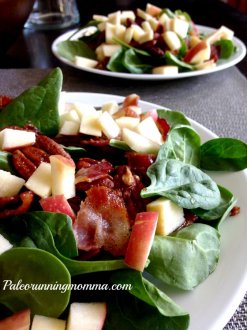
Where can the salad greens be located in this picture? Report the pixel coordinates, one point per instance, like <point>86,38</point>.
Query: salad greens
<point>183,259</point>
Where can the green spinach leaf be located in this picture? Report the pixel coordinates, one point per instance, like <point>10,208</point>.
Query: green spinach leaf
<point>38,105</point>
<point>115,63</point>
<point>5,163</point>
<point>184,184</point>
<point>224,154</point>
<point>174,60</point>
<point>173,118</point>
<point>33,268</point>
<point>71,48</point>
<point>227,48</point>
<point>134,63</point>
<point>186,258</point>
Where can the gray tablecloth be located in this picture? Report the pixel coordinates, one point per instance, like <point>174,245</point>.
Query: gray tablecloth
<point>217,101</point>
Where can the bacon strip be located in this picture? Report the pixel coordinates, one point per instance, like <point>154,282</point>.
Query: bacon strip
<point>102,222</point>
<point>26,201</point>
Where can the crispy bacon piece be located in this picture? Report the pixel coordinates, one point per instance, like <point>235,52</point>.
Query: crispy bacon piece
<point>26,199</point>
<point>94,171</point>
<point>102,222</point>
<point>139,163</point>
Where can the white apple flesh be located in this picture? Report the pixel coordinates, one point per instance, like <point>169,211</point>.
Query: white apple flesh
<point>10,184</point>
<point>41,322</point>
<point>40,181</point>
<point>139,143</point>
<point>4,244</point>
<point>13,138</point>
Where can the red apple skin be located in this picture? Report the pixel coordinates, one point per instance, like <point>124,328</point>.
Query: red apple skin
<point>193,51</point>
<point>153,10</point>
<point>153,113</point>
<point>66,161</point>
<point>58,204</point>
<point>141,240</point>
<point>17,321</point>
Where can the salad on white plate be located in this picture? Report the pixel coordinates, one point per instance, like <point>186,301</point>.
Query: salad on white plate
<point>115,196</point>
<point>144,42</point>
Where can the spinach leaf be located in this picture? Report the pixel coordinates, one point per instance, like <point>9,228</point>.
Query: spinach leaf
<point>186,258</point>
<point>173,118</point>
<point>75,152</point>
<point>227,202</point>
<point>184,184</point>
<point>38,105</point>
<point>144,306</point>
<point>71,48</point>
<point>134,63</point>
<point>119,144</point>
<point>182,143</point>
<point>227,48</point>
<point>224,154</point>
<point>33,267</point>
<point>115,63</point>
<point>5,163</point>
<point>174,60</point>
<point>35,232</point>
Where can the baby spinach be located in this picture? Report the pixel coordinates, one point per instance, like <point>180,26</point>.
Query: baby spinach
<point>38,105</point>
<point>115,63</point>
<point>173,118</point>
<point>227,48</point>
<point>224,154</point>
<point>134,63</point>
<point>33,267</point>
<point>182,143</point>
<point>184,184</point>
<point>5,163</point>
<point>71,48</point>
<point>174,60</point>
<point>186,258</point>
<point>143,307</point>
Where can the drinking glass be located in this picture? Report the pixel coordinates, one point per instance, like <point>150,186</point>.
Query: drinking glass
<point>53,14</point>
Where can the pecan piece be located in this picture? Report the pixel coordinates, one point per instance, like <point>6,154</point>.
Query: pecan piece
<point>36,155</point>
<point>50,146</point>
<point>22,164</point>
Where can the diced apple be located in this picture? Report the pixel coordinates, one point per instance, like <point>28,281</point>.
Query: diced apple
<point>100,18</point>
<point>83,109</point>
<point>172,40</point>
<point>206,65</point>
<point>193,41</point>
<point>87,316</point>
<point>141,240</point>
<point>109,126</point>
<point>147,36</point>
<point>85,62</point>
<point>127,14</point>
<point>154,23</point>
<point>109,50</point>
<point>47,323</point>
<point>144,15</point>
<point>58,204</point>
<point>179,26</point>
<point>14,138</point>
<point>165,20</point>
<point>110,32</point>
<point>129,33</point>
<point>90,123</point>
<point>101,26</point>
<point>10,184</point>
<point>4,244</point>
<point>115,18</point>
<point>222,33</point>
<point>171,216</point>
<point>62,176</point>
<point>71,115</point>
<point>153,10</point>
<point>129,122</point>
<point>17,321</point>
<point>62,103</point>
<point>120,31</point>
<point>139,143</point>
<point>149,129</point>
<point>69,128</point>
<point>138,32</point>
<point>111,107</point>
<point>198,54</point>
<point>40,181</point>
<point>166,70</point>
<point>99,52</point>
<point>146,26</point>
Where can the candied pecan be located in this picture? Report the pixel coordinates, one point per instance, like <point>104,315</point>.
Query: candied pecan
<point>50,146</point>
<point>235,211</point>
<point>36,155</point>
<point>22,164</point>
<point>26,199</point>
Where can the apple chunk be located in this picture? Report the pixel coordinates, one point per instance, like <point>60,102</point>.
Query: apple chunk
<point>149,129</point>
<point>17,321</point>
<point>14,138</point>
<point>139,143</point>
<point>47,323</point>
<point>40,181</point>
<point>86,316</point>
<point>171,216</point>
<point>141,240</point>
<point>62,176</point>
<point>10,184</point>
<point>57,204</point>
<point>4,244</point>
<point>199,53</point>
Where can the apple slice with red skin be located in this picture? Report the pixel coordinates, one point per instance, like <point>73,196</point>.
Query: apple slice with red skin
<point>17,321</point>
<point>199,53</point>
<point>58,204</point>
<point>141,240</point>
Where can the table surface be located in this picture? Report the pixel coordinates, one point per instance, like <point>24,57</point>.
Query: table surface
<point>217,101</point>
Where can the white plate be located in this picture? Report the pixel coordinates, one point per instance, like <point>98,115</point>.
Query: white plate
<point>224,64</point>
<point>212,303</point>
